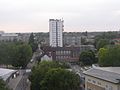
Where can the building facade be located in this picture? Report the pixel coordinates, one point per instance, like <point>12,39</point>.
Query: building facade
<point>70,54</point>
<point>56,32</point>
<point>72,39</point>
<point>9,37</point>
<point>102,79</point>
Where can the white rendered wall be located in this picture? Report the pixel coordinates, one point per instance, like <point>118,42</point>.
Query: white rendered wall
<point>55,32</point>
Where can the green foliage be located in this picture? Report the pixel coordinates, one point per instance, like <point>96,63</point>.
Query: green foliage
<point>83,41</point>
<point>23,54</point>
<point>3,85</point>
<point>103,56</point>
<point>109,56</point>
<point>60,79</point>
<point>6,53</point>
<point>101,43</point>
<point>50,75</point>
<point>14,54</point>
<point>105,36</point>
<point>32,42</point>
<point>87,57</point>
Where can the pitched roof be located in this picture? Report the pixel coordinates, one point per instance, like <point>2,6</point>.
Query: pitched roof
<point>6,73</point>
<point>106,75</point>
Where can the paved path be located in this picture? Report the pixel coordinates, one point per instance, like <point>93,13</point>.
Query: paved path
<point>14,82</point>
<point>22,85</point>
<point>28,86</point>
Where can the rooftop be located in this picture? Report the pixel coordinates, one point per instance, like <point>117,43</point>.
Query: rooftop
<point>6,73</point>
<point>55,20</point>
<point>110,74</point>
<point>9,34</point>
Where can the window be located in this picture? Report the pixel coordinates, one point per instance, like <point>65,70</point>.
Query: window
<point>106,86</point>
<point>99,83</point>
<point>94,81</point>
<point>110,88</point>
<point>64,52</point>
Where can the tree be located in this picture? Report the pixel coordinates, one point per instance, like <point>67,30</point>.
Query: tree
<point>101,43</point>
<point>3,85</point>
<point>16,54</point>
<point>108,36</point>
<point>109,56</point>
<point>22,55</point>
<point>83,41</point>
<point>43,70</point>
<point>87,57</point>
<point>60,79</point>
<point>32,42</point>
<point>6,52</point>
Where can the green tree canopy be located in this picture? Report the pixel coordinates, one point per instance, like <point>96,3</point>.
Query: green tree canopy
<point>3,85</point>
<point>106,36</point>
<point>32,42</point>
<point>6,53</point>
<point>16,54</point>
<point>22,55</point>
<point>42,72</point>
<point>87,57</point>
<point>109,56</point>
<point>101,43</point>
<point>60,79</point>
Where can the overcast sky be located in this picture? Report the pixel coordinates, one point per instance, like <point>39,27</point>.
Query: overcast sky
<point>78,15</point>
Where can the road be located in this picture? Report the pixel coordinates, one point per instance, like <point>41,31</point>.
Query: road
<point>78,70</point>
<point>14,83</point>
<point>23,82</point>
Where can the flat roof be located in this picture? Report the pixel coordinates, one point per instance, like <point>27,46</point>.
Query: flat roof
<point>9,34</point>
<point>110,69</point>
<point>55,20</point>
<point>110,74</point>
<point>6,73</point>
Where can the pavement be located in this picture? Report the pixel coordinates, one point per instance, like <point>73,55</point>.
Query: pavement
<point>20,82</point>
<point>22,85</point>
<point>14,82</point>
<point>28,86</point>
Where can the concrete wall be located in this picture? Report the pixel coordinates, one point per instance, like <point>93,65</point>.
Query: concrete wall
<point>46,58</point>
<point>98,84</point>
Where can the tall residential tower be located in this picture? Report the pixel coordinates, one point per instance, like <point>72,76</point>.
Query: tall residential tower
<point>56,32</point>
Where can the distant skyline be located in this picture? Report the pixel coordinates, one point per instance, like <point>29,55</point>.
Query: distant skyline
<point>78,15</point>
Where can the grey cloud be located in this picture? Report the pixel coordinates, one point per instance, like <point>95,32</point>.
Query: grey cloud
<point>78,14</point>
